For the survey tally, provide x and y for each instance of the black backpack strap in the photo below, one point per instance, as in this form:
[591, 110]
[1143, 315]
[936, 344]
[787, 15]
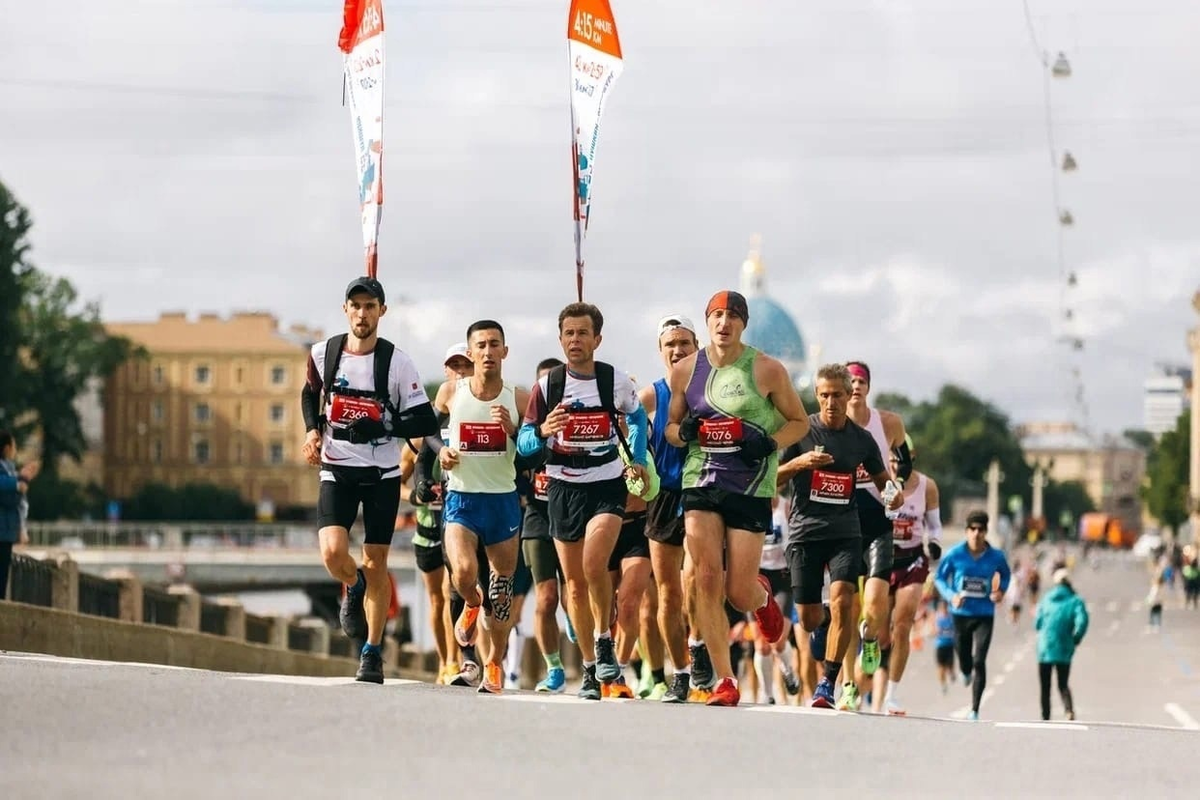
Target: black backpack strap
[556, 387]
[605, 378]
[333, 356]
[383, 367]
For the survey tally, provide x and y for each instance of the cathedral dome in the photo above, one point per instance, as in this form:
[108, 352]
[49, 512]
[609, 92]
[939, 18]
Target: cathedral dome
[771, 328]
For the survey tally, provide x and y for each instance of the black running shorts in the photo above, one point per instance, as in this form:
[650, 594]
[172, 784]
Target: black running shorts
[808, 561]
[664, 518]
[542, 559]
[876, 561]
[739, 512]
[338, 502]
[573, 505]
[429, 559]
[631, 543]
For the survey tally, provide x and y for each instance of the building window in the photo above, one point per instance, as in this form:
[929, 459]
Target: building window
[203, 413]
[239, 455]
[156, 451]
[157, 376]
[277, 413]
[239, 375]
[156, 411]
[278, 375]
[203, 375]
[137, 374]
[200, 451]
[276, 452]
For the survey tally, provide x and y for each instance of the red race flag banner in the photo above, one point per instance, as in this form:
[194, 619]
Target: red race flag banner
[595, 56]
[361, 43]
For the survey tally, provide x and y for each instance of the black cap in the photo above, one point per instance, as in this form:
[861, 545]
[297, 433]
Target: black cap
[977, 517]
[368, 285]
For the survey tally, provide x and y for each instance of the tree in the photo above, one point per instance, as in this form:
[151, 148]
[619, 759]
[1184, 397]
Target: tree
[50, 348]
[1167, 474]
[1141, 438]
[14, 271]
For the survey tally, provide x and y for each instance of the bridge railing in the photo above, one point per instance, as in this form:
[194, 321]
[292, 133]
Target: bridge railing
[58, 583]
[171, 535]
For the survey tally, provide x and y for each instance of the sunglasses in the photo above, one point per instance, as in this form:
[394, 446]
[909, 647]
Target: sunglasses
[976, 528]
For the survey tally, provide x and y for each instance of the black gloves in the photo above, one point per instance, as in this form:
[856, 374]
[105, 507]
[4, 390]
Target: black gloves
[423, 493]
[756, 446]
[935, 550]
[689, 429]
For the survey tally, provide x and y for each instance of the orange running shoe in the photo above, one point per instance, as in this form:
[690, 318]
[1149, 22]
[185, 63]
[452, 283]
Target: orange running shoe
[618, 689]
[466, 626]
[725, 693]
[493, 679]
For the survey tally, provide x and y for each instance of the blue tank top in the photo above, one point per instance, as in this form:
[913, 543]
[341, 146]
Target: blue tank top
[668, 459]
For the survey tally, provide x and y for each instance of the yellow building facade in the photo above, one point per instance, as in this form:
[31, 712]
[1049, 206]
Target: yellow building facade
[217, 400]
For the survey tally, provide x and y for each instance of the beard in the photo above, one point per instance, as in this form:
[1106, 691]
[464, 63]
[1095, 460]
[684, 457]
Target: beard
[364, 330]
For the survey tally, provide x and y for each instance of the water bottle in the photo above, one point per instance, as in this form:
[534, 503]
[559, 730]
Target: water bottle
[890, 491]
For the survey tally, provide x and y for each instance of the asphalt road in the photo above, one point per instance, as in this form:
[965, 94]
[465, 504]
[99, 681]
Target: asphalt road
[98, 730]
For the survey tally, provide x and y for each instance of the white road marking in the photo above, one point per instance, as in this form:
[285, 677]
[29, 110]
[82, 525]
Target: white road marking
[1184, 719]
[1112, 627]
[1010, 666]
[545, 697]
[1000, 680]
[1112, 606]
[313, 680]
[778, 709]
[90, 662]
[1044, 726]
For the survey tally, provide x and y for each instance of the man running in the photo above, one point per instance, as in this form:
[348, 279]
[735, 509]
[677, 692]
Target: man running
[664, 522]
[574, 414]
[824, 531]
[917, 539]
[876, 568]
[482, 503]
[733, 407]
[372, 399]
[966, 580]
[539, 552]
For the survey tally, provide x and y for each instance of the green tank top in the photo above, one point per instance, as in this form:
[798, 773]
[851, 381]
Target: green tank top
[725, 393]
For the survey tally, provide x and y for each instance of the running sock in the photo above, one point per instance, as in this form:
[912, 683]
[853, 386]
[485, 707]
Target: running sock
[695, 642]
[659, 675]
[892, 688]
[603, 635]
[785, 660]
[762, 667]
[516, 648]
[637, 663]
[589, 664]
[553, 661]
[686, 669]
[832, 670]
[623, 668]
[377, 649]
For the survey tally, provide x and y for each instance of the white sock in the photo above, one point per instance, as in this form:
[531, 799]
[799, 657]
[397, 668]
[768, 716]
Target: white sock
[694, 642]
[603, 635]
[785, 660]
[892, 686]
[766, 675]
[516, 646]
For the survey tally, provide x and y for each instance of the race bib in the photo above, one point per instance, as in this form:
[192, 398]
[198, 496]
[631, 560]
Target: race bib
[344, 410]
[541, 486]
[862, 477]
[482, 439]
[834, 488]
[587, 430]
[975, 587]
[720, 435]
[902, 529]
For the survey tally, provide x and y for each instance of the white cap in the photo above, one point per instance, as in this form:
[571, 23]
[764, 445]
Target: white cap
[1060, 575]
[456, 351]
[673, 321]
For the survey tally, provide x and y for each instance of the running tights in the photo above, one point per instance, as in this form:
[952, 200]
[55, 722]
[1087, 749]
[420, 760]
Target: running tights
[972, 638]
[1064, 675]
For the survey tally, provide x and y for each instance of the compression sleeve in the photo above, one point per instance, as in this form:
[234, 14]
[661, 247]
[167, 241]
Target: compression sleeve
[904, 462]
[933, 533]
[310, 398]
[416, 422]
[528, 441]
[639, 423]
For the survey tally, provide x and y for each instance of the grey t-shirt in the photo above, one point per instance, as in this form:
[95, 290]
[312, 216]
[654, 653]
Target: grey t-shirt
[823, 499]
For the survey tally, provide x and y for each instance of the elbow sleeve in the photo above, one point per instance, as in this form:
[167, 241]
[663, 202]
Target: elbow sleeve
[416, 423]
[904, 462]
[638, 422]
[310, 408]
[529, 444]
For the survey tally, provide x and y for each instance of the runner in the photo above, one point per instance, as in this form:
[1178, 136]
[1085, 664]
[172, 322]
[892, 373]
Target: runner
[664, 526]
[733, 407]
[944, 644]
[965, 579]
[482, 505]
[823, 528]
[538, 549]
[372, 399]
[573, 414]
[917, 537]
[876, 568]
[629, 571]
[773, 567]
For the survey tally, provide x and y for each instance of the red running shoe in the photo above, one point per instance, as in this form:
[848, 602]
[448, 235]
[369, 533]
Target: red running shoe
[725, 693]
[769, 617]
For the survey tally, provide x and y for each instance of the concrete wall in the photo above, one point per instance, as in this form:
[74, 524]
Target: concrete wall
[34, 629]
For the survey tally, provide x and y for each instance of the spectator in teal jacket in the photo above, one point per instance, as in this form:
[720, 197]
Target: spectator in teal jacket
[1062, 621]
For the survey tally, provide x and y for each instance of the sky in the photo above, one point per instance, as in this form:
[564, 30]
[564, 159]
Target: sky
[893, 157]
